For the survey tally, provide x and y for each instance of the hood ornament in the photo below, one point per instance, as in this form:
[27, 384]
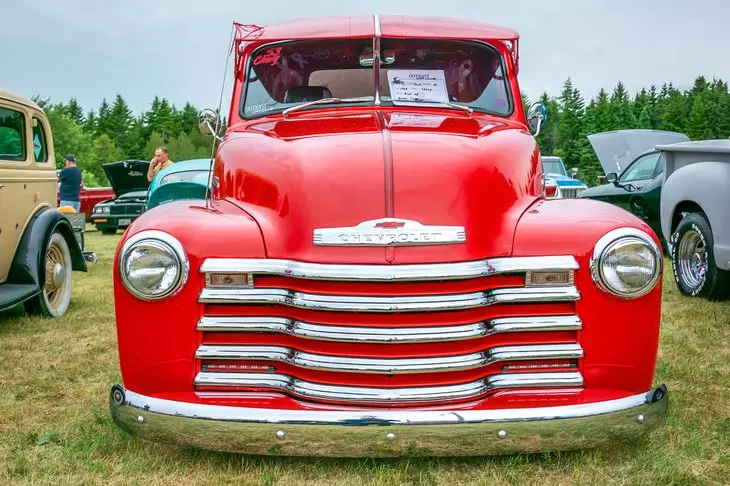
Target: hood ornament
[389, 232]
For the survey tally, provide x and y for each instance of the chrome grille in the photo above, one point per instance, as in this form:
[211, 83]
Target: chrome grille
[280, 331]
[571, 192]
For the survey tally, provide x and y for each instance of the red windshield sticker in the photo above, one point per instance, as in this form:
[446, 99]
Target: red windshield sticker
[271, 56]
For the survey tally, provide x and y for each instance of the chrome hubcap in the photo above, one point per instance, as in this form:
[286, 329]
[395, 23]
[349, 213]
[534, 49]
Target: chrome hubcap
[59, 274]
[692, 259]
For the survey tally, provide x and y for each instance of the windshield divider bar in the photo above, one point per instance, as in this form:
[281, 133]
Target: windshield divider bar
[376, 57]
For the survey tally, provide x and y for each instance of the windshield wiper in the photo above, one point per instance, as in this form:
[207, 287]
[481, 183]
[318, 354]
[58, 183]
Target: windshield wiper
[326, 101]
[467, 109]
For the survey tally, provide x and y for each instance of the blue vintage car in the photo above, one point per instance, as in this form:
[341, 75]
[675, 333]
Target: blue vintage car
[568, 185]
[187, 179]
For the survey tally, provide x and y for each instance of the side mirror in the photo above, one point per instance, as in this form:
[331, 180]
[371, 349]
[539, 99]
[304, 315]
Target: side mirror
[209, 123]
[574, 172]
[612, 178]
[536, 117]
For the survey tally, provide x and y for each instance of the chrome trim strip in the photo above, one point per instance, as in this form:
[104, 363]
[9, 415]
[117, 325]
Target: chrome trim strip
[336, 393]
[389, 273]
[414, 303]
[376, 58]
[388, 432]
[389, 366]
[364, 334]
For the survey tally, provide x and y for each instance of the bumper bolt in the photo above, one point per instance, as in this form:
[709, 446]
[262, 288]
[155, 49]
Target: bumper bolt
[390, 436]
[280, 434]
[640, 419]
[502, 434]
[140, 419]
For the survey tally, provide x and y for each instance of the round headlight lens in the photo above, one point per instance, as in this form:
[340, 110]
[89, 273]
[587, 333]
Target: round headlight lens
[153, 268]
[105, 209]
[626, 263]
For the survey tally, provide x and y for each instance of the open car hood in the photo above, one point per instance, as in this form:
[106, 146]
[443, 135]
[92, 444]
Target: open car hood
[616, 150]
[127, 176]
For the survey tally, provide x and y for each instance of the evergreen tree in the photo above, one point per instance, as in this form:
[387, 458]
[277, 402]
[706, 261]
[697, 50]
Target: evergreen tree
[547, 140]
[103, 123]
[675, 111]
[571, 107]
[623, 116]
[90, 125]
[187, 118]
[75, 112]
[700, 115]
[120, 123]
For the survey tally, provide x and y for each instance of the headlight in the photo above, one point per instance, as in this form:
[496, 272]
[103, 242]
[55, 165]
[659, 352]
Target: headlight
[105, 209]
[627, 263]
[97, 209]
[153, 265]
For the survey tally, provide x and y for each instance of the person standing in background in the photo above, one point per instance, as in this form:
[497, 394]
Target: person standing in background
[159, 162]
[70, 184]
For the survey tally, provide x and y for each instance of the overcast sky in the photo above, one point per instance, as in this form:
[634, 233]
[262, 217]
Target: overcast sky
[91, 49]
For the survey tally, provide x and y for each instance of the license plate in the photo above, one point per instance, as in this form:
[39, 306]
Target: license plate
[125, 221]
[100, 220]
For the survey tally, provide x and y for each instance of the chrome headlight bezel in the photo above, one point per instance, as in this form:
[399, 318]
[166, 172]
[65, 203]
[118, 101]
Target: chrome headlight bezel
[621, 236]
[161, 241]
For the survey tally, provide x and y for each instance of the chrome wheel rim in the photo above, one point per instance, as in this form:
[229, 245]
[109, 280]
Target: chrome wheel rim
[692, 254]
[55, 284]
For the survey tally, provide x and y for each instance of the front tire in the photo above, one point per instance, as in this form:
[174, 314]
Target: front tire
[55, 293]
[694, 268]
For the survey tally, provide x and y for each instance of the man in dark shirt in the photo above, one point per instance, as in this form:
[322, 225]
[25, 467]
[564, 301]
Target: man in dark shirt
[70, 184]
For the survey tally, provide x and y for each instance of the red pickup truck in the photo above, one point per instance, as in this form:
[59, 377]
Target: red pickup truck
[89, 197]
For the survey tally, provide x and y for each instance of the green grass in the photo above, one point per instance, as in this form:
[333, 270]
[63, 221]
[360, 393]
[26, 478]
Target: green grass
[55, 376]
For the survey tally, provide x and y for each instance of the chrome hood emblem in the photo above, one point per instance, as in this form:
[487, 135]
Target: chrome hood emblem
[389, 232]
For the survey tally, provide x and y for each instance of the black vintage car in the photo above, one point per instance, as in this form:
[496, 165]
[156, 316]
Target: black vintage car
[634, 171]
[128, 179]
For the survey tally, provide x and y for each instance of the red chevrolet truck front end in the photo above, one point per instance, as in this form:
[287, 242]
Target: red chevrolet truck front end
[378, 271]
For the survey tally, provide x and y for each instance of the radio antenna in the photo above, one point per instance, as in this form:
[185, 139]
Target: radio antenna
[215, 137]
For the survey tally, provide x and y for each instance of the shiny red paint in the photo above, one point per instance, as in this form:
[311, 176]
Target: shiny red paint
[280, 178]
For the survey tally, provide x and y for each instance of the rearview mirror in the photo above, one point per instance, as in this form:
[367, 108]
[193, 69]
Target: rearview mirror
[536, 117]
[612, 178]
[209, 123]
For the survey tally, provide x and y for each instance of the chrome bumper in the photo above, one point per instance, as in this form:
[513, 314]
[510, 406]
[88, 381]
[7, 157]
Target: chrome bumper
[388, 433]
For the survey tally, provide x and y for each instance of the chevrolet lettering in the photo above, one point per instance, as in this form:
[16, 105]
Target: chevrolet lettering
[389, 232]
[379, 270]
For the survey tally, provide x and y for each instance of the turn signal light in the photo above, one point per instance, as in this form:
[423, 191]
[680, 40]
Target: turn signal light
[549, 278]
[228, 280]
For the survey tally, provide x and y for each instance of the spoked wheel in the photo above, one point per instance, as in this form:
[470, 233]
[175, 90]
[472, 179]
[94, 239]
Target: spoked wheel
[55, 294]
[695, 271]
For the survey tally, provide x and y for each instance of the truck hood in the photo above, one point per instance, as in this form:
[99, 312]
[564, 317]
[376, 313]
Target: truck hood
[309, 172]
[127, 176]
[616, 150]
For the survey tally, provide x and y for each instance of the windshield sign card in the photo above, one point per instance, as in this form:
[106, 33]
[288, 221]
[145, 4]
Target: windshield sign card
[424, 85]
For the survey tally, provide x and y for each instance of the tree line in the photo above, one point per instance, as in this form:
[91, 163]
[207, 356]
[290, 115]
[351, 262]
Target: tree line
[112, 132]
[701, 112]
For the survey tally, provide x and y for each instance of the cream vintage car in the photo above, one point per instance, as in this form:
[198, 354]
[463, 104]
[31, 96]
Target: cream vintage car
[38, 245]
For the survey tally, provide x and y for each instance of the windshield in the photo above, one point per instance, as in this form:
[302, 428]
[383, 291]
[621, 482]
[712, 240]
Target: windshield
[553, 166]
[412, 71]
[199, 176]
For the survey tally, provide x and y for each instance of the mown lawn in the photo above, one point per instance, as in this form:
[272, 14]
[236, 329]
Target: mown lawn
[55, 427]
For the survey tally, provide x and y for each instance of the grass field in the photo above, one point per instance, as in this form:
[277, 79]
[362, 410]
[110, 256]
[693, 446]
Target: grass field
[55, 376]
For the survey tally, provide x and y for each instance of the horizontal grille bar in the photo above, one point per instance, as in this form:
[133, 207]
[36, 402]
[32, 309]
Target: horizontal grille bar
[308, 330]
[410, 272]
[389, 365]
[415, 303]
[305, 389]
